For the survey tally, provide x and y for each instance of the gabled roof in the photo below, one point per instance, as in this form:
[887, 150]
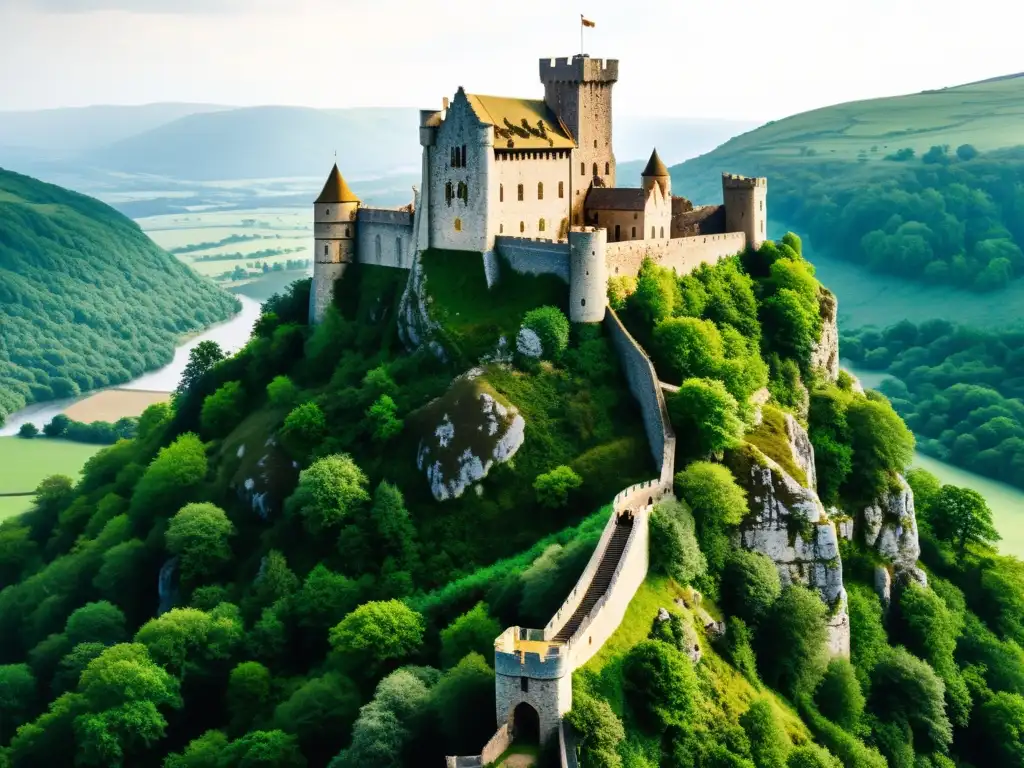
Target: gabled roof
[336, 190]
[615, 199]
[654, 166]
[520, 123]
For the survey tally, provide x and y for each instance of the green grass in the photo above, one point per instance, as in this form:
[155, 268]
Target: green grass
[474, 318]
[516, 749]
[24, 463]
[770, 436]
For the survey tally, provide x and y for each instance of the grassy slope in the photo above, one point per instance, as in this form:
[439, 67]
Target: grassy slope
[726, 692]
[23, 463]
[985, 114]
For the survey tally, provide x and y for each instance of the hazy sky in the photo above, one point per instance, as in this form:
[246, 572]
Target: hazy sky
[755, 59]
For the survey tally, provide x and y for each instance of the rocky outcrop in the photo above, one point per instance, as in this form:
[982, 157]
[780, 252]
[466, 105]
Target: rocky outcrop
[890, 528]
[757, 401]
[415, 326]
[825, 351]
[788, 524]
[464, 433]
[802, 450]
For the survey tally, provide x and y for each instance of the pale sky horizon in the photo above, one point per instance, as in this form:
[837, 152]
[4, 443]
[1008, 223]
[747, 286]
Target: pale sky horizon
[740, 59]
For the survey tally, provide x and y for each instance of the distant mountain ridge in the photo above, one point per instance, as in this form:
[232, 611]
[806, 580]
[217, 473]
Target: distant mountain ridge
[206, 142]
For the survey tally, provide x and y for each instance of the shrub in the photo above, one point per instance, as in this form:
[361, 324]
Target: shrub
[673, 544]
[620, 288]
[839, 697]
[383, 417]
[377, 634]
[661, 685]
[223, 409]
[704, 412]
[553, 488]
[329, 492]
[28, 430]
[600, 731]
[792, 654]
[473, 631]
[282, 392]
[750, 585]
[769, 744]
[551, 327]
[198, 534]
[304, 429]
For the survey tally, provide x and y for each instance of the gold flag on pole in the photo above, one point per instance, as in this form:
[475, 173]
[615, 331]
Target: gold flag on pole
[586, 22]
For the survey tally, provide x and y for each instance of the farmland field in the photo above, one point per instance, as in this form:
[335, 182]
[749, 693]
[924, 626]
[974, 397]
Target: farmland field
[24, 463]
[113, 404]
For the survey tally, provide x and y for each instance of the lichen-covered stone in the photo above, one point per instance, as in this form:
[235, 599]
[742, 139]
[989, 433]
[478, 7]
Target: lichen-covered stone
[757, 402]
[883, 585]
[825, 350]
[528, 343]
[803, 451]
[464, 433]
[415, 326]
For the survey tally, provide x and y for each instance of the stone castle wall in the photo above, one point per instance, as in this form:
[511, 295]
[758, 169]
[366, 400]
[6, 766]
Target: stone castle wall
[683, 254]
[529, 256]
[385, 238]
[645, 387]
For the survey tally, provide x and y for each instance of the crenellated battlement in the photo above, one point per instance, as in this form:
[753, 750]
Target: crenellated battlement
[522, 652]
[579, 69]
[733, 181]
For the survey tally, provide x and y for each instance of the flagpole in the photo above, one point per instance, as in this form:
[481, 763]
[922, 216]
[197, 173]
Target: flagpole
[581, 33]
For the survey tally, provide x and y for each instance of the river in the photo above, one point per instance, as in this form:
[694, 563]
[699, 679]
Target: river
[1005, 501]
[231, 335]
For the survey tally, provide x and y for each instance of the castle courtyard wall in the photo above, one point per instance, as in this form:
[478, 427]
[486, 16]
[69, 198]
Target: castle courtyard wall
[630, 224]
[522, 218]
[535, 256]
[385, 238]
[683, 254]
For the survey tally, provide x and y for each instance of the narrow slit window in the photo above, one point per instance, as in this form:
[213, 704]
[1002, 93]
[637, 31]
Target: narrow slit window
[520, 193]
[540, 190]
[561, 189]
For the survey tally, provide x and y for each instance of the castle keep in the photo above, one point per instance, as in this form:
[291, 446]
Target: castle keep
[533, 180]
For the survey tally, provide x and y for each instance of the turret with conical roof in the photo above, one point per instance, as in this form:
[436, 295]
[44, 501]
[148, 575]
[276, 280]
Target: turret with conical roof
[334, 230]
[656, 174]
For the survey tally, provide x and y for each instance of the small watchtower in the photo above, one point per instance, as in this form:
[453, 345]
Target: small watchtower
[746, 207]
[656, 174]
[532, 684]
[334, 230]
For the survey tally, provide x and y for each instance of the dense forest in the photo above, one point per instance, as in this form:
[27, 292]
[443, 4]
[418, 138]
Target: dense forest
[86, 299]
[960, 389]
[263, 576]
[950, 216]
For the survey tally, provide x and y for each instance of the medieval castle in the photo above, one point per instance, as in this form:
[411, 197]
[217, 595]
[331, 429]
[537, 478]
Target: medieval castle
[533, 180]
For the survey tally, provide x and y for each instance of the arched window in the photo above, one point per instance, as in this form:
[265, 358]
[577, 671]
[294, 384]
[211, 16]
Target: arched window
[398, 250]
[540, 190]
[458, 225]
[501, 228]
[561, 189]
[633, 235]
[454, 159]
[595, 143]
[520, 193]
[448, 192]
[463, 163]
[583, 169]
[540, 225]
[652, 233]
[663, 232]
[325, 249]
[595, 169]
[501, 193]
[522, 226]
[607, 166]
[346, 232]
[616, 233]
[328, 212]
[376, 248]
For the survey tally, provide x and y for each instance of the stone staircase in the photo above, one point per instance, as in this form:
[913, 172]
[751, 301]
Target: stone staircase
[602, 578]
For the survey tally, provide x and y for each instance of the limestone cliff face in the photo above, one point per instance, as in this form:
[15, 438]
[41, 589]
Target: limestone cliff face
[890, 528]
[802, 450]
[787, 523]
[415, 326]
[825, 351]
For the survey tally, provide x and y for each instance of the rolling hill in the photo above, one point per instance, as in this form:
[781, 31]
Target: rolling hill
[86, 299]
[925, 187]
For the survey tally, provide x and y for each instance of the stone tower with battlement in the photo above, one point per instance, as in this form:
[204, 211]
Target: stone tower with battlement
[334, 232]
[532, 684]
[745, 207]
[579, 92]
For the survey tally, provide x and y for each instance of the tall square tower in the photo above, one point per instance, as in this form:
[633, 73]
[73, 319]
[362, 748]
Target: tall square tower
[579, 92]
